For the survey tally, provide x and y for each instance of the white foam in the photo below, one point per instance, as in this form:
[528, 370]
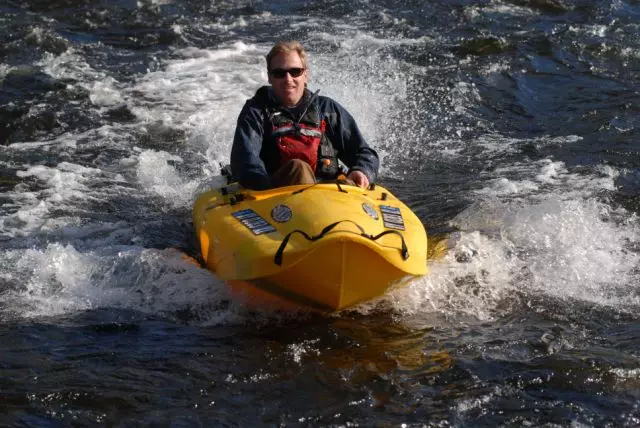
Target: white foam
[202, 92]
[70, 65]
[59, 279]
[472, 279]
[574, 249]
[530, 178]
[31, 216]
[542, 232]
[483, 401]
[228, 24]
[378, 87]
[627, 374]
[105, 93]
[64, 184]
[157, 175]
[4, 70]
[627, 52]
[590, 30]
[564, 249]
[504, 186]
[297, 351]
[495, 143]
[476, 12]
[65, 141]
[497, 68]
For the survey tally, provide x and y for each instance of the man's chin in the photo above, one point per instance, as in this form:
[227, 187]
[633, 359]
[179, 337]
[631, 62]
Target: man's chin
[289, 98]
[291, 101]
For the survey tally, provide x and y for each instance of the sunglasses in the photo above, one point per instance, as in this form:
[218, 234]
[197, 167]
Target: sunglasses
[279, 73]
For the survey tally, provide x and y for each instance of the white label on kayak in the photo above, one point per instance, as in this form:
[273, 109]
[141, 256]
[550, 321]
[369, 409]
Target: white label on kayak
[253, 221]
[392, 217]
[245, 213]
[389, 209]
[370, 209]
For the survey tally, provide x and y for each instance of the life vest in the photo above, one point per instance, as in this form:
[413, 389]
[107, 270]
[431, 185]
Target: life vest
[304, 139]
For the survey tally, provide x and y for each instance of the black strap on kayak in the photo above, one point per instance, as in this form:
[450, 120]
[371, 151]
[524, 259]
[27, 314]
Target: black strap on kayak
[277, 259]
[404, 251]
[304, 188]
[336, 182]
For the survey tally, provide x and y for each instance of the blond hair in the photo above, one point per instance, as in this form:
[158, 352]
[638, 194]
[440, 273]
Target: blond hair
[284, 47]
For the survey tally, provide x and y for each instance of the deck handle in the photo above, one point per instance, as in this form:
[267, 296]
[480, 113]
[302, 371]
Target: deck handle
[277, 259]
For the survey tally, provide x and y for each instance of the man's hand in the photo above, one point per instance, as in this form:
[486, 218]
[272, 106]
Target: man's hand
[359, 178]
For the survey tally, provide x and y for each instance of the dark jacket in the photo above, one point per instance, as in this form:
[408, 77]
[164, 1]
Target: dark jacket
[255, 157]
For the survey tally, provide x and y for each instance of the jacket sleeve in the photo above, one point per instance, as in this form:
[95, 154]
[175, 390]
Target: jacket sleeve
[346, 138]
[246, 165]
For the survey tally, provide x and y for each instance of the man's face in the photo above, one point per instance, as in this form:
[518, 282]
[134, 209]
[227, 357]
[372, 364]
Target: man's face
[289, 89]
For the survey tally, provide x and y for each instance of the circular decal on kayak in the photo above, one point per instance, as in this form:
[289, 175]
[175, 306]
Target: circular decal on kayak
[370, 209]
[281, 213]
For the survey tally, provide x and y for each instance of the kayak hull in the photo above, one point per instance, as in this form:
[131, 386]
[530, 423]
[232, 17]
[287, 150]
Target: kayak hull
[325, 247]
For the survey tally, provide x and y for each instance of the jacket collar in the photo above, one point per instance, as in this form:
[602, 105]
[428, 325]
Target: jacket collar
[267, 97]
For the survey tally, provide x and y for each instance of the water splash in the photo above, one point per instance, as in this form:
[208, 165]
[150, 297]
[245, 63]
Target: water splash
[59, 280]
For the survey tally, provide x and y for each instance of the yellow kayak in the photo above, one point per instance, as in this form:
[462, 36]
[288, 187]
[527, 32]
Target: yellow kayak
[325, 247]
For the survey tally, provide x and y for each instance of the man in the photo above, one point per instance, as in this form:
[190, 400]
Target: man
[287, 135]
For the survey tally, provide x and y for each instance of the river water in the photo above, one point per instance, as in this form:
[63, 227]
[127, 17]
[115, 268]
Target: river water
[512, 124]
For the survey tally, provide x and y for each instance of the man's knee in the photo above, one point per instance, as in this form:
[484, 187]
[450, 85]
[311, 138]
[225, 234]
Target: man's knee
[294, 171]
[298, 165]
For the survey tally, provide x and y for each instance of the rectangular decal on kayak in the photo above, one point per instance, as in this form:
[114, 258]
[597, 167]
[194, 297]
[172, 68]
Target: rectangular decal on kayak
[392, 217]
[253, 221]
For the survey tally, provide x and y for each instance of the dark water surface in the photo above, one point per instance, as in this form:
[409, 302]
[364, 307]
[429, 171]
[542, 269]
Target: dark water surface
[514, 124]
